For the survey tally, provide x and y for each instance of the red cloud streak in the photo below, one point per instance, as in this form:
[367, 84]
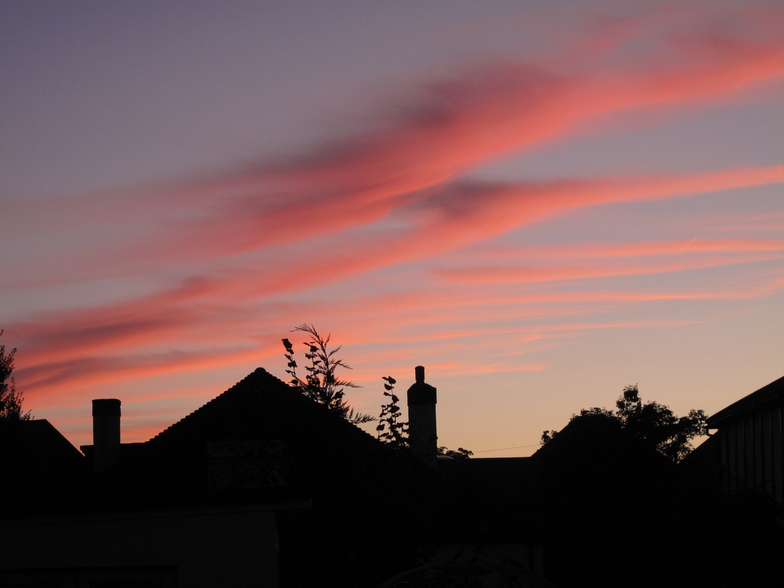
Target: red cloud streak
[397, 193]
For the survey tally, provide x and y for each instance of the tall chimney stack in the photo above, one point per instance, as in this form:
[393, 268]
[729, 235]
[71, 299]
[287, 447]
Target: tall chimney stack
[106, 433]
[422, 419]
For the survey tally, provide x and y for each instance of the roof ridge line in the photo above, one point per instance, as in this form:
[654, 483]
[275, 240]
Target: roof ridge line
[211, 401]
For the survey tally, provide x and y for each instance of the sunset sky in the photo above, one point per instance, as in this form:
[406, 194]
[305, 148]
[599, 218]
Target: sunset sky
[541, 202]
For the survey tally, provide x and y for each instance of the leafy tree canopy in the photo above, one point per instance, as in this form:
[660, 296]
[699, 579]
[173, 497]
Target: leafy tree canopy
[653, 423]
[10, 399]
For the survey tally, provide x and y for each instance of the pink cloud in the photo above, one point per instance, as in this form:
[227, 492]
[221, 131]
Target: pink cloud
[103, 370]
[396, 193]
[170, 315]
[548, 264]
[447, 128]
[528, 274]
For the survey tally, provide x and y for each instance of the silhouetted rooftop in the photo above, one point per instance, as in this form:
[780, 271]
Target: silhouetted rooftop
[37, 461]
[764, 398]
[260, 437]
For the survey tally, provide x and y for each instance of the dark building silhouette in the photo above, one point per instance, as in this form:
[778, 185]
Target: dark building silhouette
[262, 486]
[750, 439]
[106, 433]
[423, 437]
[36, 463]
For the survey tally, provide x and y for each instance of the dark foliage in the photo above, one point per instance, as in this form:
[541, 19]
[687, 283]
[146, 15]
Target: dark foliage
[321, 383]
[10, 398]
[390, 429]
[652, 423]
[621, 514]
[394, 432]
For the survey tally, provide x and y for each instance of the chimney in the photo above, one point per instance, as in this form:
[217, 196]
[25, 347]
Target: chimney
[106, 433]
[422, 419]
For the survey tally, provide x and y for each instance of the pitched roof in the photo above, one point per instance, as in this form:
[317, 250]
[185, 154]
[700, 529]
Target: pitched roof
[261, 432]
[259, 406]
[764, 398]
[38, 463]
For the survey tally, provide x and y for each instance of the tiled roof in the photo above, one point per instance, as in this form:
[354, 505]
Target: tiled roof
[266, 433]
[260, 405]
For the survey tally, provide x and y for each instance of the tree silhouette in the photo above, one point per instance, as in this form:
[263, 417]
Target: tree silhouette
[10, 399]
[652, 423]
[390, 429]
[321, 384]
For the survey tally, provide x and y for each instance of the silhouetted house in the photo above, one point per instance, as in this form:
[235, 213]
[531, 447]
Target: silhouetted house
[262, 486]
[605, 502]
[751, 444]
[210, 500]
[492, 516]
[152, 514]
[485, 522]
[154, 544]
[36, 461]
[621, 514]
